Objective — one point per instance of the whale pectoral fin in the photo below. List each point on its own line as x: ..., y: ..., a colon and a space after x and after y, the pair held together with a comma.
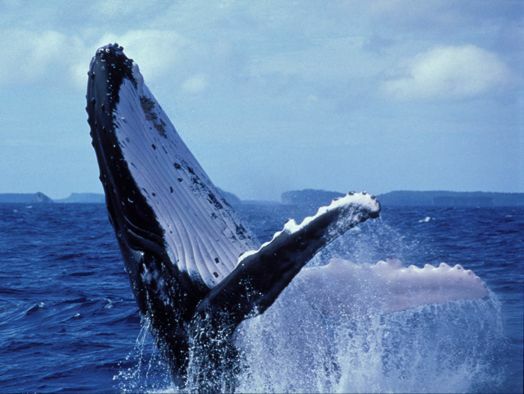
x: 350, y: 289
x: 261, y: 275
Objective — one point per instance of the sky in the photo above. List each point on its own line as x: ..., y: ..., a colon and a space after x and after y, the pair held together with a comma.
x: 278, y: 95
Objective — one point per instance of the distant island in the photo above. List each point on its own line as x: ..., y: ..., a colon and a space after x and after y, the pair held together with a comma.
x: 451, y: 199
x: 98, y: 198
x: 24, y: 198
x: 83, y: 198
x: 231, y: 198
x: 314, y: 198
x: 309, y: 197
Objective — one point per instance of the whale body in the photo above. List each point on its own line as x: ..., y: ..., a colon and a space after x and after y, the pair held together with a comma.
x: 196, y: 271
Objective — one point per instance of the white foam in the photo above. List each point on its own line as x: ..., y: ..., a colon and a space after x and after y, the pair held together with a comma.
x: 382, y: 327
x: 334, y: 330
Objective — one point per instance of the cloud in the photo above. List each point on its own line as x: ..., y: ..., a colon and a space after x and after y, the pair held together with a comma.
x: 50, y: 56
x: 156, y: 51
x: 119, y: 8
x: 332, y: 59
x: 196, y: 84
x: 449, y: 72
x: 26, y: 55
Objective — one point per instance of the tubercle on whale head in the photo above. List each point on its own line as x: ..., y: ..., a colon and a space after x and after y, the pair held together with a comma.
x: 111, y: 58
x: 112, y: 52
x: 110, y: 48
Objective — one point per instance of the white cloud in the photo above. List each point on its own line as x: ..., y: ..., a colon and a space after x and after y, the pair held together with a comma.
x: 449, y: 72
x: 156, y: 51
x: 332, y: 59
x: 196, y: 84
x: 51, y: 57
x: 27, y: 55
x: 119, y: 8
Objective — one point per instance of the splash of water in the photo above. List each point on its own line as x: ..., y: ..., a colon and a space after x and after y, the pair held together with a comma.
x: 144, y: 369
x: 431, y: 348
x: 322, y: 336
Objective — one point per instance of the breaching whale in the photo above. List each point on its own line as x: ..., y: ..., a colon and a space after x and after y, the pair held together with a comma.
x: 196, y: 271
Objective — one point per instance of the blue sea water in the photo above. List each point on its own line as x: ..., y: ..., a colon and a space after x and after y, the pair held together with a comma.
x: 68, y: 321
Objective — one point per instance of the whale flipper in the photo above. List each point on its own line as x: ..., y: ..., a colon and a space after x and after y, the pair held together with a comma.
x: 262, y: 274
x: 184, y: 248
x: 387, y: 286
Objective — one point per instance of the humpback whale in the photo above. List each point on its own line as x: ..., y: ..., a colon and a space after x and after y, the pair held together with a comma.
x: 196, y: 271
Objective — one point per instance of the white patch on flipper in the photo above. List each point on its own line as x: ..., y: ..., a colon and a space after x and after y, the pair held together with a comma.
x: 202, y: 235
x: 386, y: 286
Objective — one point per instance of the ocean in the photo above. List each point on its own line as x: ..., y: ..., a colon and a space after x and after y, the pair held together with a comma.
x: 68, y: 320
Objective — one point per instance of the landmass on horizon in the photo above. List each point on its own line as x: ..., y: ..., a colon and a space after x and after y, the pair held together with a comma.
x: 317, y: 197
